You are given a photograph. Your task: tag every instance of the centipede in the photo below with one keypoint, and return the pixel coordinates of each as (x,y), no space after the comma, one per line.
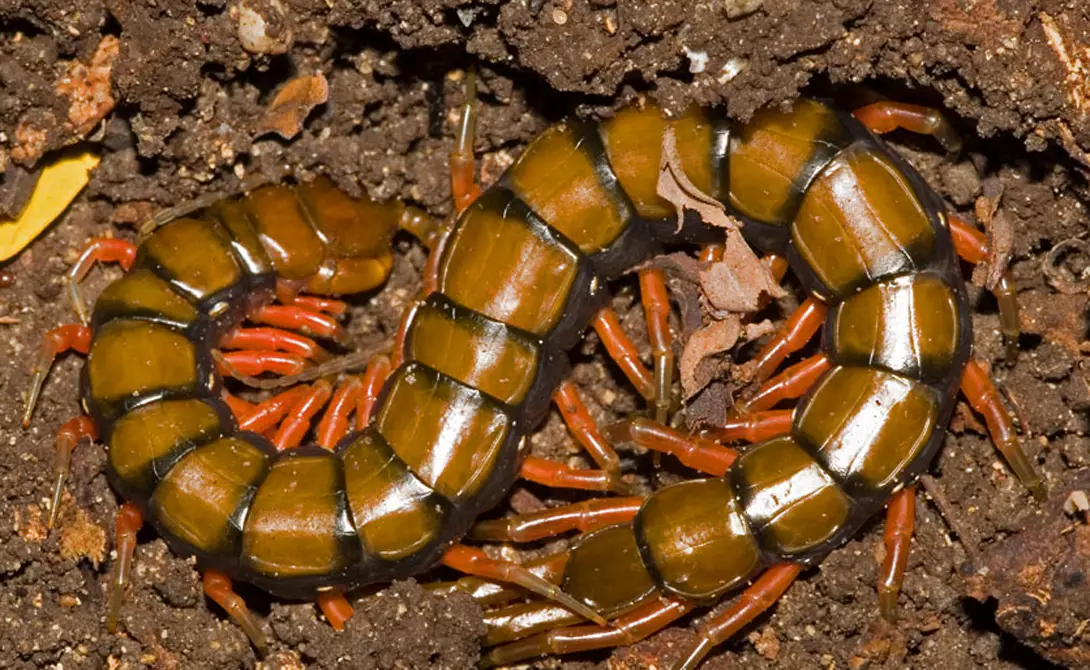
(513,281)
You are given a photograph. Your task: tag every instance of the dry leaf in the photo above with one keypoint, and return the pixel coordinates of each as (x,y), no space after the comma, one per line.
(1000,231)
(59,184)
(736,283)
(696,364)
(292,104)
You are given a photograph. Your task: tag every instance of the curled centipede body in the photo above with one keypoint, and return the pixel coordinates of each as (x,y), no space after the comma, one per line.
(513,283)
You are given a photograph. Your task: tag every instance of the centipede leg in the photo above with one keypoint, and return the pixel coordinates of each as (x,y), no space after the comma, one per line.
(900,520)
(628,629)
(515,621)
(693,451)
(336,608)
(334,423)
(73,430)
(56,341)
(799,328)
(972,246)
(791,383)
(582,425)
(239,408)
(463,180)
(105,250)
(984,398)
(623,351)
(295,427)
(273,339)
(254,363)
(487,592)
(378,369)
(583,516)
(128,522)
(887,116)
(756,599)
(557,475)
(217,586)
(473,561)
(270,411)
(306,321)
(752,427)
(656,309)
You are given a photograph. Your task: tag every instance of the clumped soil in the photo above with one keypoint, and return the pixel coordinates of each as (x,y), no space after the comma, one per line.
(1006,589)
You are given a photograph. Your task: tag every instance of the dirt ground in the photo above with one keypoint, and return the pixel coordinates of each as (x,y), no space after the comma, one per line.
(172,95)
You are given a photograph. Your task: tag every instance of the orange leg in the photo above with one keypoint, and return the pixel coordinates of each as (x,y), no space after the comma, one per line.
(473,561)
(582,516)
(463,182)
(128,522)
(756,599)
(254,363)
(972,245)
(711,253)
(68,437)
(695,452)
(487,592)
(584,428)
(799,328)
(900,520)
(621,350)
(271,410)
(55,342)
(336,608)
(297,424)
(239,407)
(791,383)
(884,117)
(557,475)
(753,427)
(105,250)
(984,398)
(287,293)
(334,423)
(308,322)
(273,339)
(628,629)
(217,586)
(656,310)
(378,369)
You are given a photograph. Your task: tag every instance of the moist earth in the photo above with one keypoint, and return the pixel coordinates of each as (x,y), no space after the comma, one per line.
(173,94)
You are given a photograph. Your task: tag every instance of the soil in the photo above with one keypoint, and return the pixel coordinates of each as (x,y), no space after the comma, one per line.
(171,96)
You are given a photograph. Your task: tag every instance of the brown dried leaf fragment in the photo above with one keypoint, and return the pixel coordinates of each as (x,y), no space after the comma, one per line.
(292,104)
(736,283)
(87,88)
(697,364)
(997,224)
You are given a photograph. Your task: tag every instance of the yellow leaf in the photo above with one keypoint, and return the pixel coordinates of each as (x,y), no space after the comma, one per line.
(59,184)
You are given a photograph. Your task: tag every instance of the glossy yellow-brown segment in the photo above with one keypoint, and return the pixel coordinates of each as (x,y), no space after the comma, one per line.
(607,573)
(697,538)
(231,214)
(131,358)
(351,275)
(769,154)
(860,221)
(291,527)
(791,502)
(478,353)
(909,325)
(351,227)
(394,512)
(200,498)
(448,435)
(867,425)
(556,176)
(290,241)
(195,254)
(633,142)
(143,293)
(498,265)
(152,432)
